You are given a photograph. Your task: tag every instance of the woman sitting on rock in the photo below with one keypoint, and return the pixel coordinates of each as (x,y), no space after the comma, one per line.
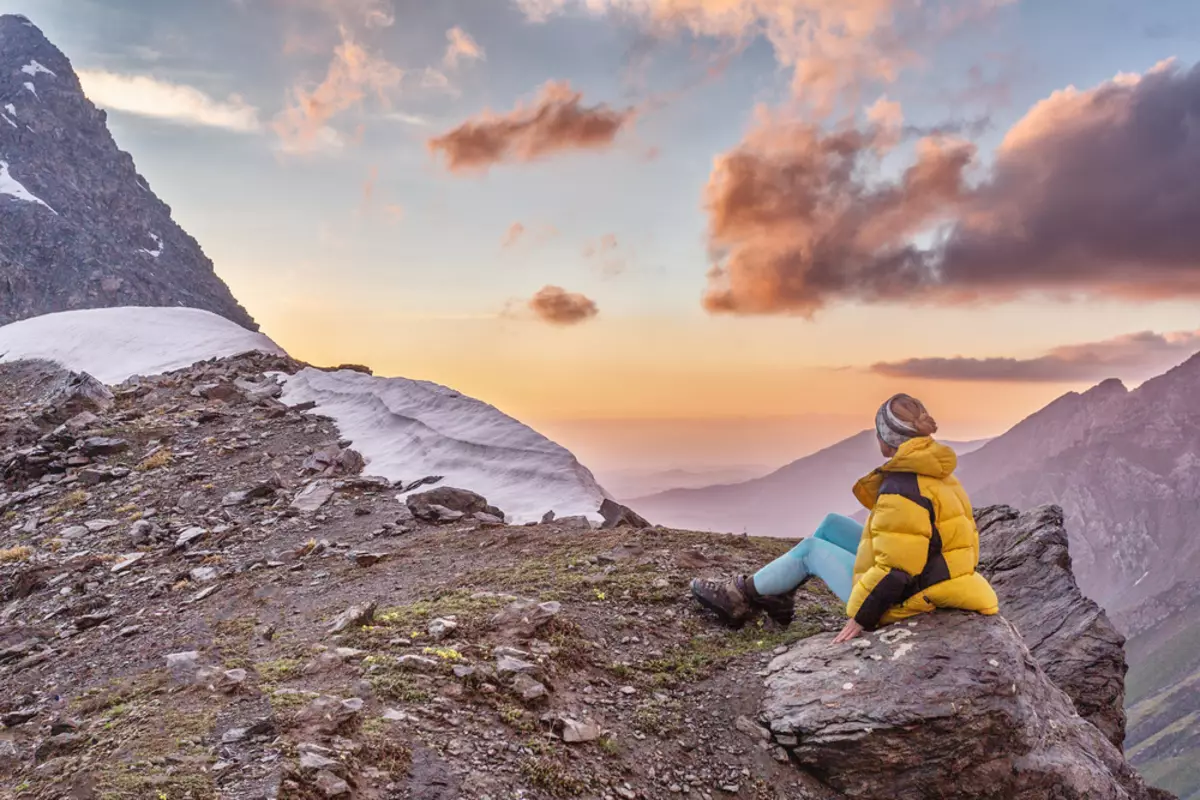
(918,550)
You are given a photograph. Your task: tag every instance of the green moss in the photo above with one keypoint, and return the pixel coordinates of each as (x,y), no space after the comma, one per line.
(279,670)
(393,682)
(552,776)
(412,620)
(701,654)
(145,781)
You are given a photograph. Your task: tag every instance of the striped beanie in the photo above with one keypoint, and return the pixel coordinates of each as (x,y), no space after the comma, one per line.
(892,430)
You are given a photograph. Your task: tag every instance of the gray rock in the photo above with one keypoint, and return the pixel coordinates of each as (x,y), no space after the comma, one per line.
(615,515)
(418,663)
(511,665)
(442,627)
(313,496)
(325,714)
(1025,557)
(99,525)
(525,618)
(353,617)
(331,785)
(202,574)
(141,533)
(528,689)
(578,522)
(311,761)
(433,505)
(103,446)
(955,707)
(127,561)
(189,537)
(10,757)
(574,731)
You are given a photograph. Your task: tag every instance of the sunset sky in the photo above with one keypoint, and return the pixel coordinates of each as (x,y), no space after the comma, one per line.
(681,232)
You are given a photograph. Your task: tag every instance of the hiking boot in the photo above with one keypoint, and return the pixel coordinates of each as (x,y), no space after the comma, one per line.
(781,608)
(725,599)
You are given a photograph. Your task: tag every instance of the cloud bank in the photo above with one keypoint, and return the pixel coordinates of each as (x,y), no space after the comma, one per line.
(1090,194)
(1135,356)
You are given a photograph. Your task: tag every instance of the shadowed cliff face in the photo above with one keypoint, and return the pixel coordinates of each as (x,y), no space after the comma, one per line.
(957,705)
(79,227)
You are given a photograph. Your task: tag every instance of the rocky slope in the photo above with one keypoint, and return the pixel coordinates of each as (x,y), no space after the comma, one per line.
(79,227)
(186,553)
(1125,467)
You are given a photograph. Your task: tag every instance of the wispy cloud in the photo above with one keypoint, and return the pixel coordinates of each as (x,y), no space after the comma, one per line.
(461,47)
(353,75)
(513,235)
(150,97)
(1133,357)
(557,306)
(834,48)
(605,252)
(556,122)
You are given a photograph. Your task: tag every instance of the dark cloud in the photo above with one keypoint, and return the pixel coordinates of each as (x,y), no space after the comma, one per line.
(556,122)
(1092,193)
(1133,357)
(557,306)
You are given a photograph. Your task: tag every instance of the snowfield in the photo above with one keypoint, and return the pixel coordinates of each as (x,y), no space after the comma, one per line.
(114,344)
(409,429)
(405,429)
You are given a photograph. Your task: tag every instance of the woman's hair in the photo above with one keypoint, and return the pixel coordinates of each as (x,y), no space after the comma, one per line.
(912,412)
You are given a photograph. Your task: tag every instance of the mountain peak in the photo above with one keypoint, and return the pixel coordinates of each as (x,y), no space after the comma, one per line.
(1106,388)
(79,227)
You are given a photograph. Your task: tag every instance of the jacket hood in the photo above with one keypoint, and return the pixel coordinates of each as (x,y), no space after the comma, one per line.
(921,455)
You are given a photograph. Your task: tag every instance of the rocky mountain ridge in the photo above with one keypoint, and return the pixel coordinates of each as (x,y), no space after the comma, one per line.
(185,551)
(79,227)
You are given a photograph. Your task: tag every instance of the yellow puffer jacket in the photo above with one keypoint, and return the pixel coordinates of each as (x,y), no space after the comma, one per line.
(920,546)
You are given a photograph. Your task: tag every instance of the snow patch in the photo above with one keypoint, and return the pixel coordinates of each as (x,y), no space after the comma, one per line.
(33,68)
(158,249)
(114,344)
(1139,580)
(9,121)
(32,88)
(409,429)
(11,109)
(12,187)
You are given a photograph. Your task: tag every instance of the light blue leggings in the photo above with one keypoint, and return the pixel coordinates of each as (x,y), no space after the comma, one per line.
(828,554)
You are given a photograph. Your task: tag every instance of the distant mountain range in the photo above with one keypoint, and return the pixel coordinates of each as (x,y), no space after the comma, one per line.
(625,483)
(790,502)
(79,227)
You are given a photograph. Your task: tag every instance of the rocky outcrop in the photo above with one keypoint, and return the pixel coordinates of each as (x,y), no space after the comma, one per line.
(79,227)
(957,705)
(952,706)
(1025,556)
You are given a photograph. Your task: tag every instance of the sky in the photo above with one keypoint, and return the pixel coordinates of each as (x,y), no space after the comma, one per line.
(681,233)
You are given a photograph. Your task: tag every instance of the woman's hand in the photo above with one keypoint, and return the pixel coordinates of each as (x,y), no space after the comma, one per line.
(852,630)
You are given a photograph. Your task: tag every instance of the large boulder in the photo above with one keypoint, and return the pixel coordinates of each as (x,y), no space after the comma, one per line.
(952,705)
(1026,559)
(431,505)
